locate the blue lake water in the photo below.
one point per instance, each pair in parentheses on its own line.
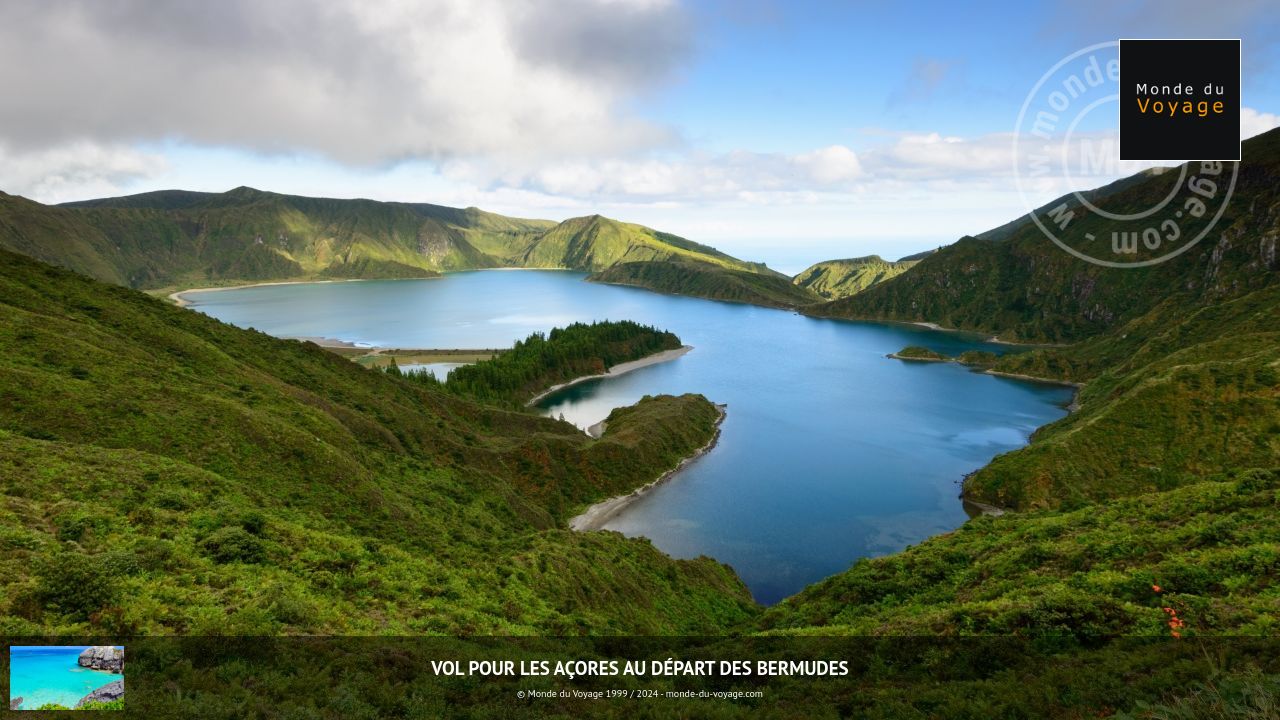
(830,451)
(41,675)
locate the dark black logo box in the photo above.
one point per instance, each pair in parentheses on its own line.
(1188,67)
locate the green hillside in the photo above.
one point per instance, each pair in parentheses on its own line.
(595,243)
(165,473)
(1025,288)
(706,280)
(1174,396)
(832,279)
(1076,574)
(177,238)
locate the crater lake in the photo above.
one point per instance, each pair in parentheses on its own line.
(829,452)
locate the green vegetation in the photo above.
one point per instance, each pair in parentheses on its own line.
(117,704)
(705,280)
(1087,574)
(1170,399)
(978,358)
(1074,604)
(165,473)
(174,239)
(834,279)
(916,352)
(596,243)
(543,360)
(385,357)
(372,268)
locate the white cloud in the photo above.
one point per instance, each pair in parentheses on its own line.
(360,82)
(829,165)
(1253,122)
(932,156)
(75,170)
(692,177)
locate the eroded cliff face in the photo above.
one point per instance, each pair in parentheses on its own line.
(103,657)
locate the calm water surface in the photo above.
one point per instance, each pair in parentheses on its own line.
(830,451)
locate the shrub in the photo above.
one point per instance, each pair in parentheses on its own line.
(153,554)
(73,527)
(117,704)
(18,538)
(233,544)
(74,584)
(253,521)
(173,499)
(118,563)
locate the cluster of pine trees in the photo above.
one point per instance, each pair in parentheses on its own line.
(545,359)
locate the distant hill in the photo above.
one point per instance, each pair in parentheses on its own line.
(180,238)
(834,279)
(918,256)
(1007,230)
(757,286)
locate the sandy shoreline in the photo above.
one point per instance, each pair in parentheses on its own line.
(327,342)
(177,297)
(594,517)
(906,358)
(989,338)
(1033,378)
(983,508)
(597,430)
(180,301)
(616,370)
(1073,406)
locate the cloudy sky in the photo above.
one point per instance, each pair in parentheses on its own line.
(782,131)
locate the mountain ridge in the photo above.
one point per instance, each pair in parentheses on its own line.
(833,279)
(179,238)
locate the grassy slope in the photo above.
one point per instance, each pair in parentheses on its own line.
(595,243)
(1212,547)
(1174,396)
(832,279)
(705,280)
(916,352)
(163,472)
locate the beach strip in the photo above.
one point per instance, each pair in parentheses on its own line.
(595,517)
(616,370)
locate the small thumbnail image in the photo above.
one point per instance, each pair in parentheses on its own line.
(66,677)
